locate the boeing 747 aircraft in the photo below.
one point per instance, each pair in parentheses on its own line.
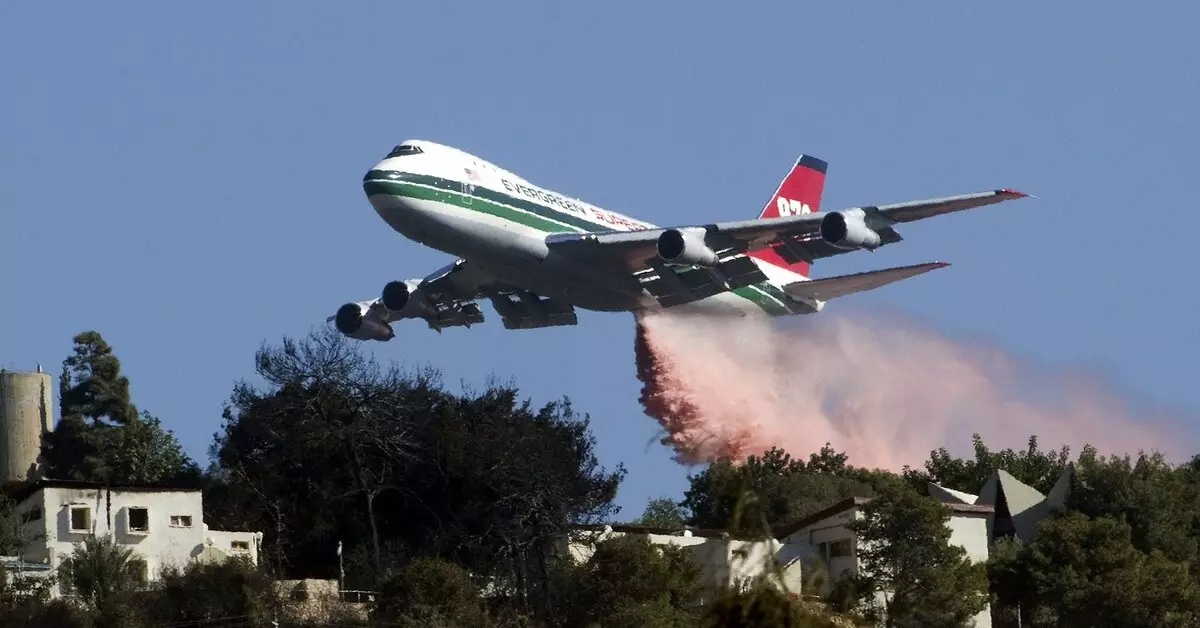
(537,255)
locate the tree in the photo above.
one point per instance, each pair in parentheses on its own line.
(101,436)
(774,489)
(433,593)
(102,572)
(1034,467)
(905,554)
(338,448)
(204,594)
(662,512)
(763,604)
(1080,571)
(1159,501)
(630,582)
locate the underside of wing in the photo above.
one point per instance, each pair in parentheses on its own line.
(449,298)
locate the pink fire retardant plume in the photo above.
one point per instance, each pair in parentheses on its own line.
(885,392)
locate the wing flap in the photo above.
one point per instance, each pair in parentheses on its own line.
(834,287)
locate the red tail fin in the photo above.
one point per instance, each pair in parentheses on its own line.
(798,193)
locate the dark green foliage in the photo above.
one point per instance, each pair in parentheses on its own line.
(100,435)
(904,550)
(337,448)
(765,606)
(1080,571)
(1037,468)
(781,488)
(662,512)
(203,594)
(628,581)
(1159,501)
(432,593)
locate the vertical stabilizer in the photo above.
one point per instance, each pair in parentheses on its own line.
(798,193)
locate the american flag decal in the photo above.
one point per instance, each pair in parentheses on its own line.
(473,175)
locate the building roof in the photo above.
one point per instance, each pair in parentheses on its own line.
(950,495)
(24,491)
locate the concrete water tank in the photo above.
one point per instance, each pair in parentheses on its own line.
(25,414)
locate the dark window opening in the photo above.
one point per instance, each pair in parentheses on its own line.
(139,520)
(81,518)
(405,149)
(838,549)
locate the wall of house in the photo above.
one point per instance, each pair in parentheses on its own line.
(970,532)
(164,528)
(235,544)
(827,542)
(723,561)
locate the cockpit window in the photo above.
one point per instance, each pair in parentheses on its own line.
(405,149)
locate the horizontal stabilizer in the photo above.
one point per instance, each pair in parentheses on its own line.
(833,287)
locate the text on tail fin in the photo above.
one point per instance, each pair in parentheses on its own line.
(798,193)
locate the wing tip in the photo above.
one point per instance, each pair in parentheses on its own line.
(1013,193)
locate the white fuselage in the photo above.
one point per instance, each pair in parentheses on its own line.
(465,206)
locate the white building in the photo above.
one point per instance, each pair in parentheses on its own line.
(724,560)
(164,527)
(822,538)
(826,536)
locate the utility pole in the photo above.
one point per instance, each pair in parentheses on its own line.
(341,572)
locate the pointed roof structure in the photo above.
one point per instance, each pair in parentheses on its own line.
(949,495)
(1017,507)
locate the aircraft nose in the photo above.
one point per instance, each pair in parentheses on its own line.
(375,182)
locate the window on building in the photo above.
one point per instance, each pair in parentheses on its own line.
(181,521)
(139,520)
(240,546)
(81,519)
(838,549)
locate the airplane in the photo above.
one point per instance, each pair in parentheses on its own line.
(538,255)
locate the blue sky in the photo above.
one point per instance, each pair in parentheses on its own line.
(185,178)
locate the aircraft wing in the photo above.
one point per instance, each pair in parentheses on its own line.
(801,233)
(834,287)
(795,238)
(449,298)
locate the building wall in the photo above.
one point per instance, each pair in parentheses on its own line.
(164,528)
(723,561)
(235,544)
(832,542)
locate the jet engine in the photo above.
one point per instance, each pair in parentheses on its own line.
(848,230)
(357,321)
(405,299)
(687,247)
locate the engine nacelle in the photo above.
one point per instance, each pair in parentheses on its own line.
(686,246)
(849,230)
(405,299)
(356,321)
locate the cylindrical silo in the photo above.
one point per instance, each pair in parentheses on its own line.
(25,413)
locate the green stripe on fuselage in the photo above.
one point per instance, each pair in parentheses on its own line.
(547,219)
(479,192)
